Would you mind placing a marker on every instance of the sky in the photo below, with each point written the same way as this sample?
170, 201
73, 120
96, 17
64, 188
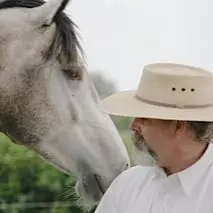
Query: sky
121, 36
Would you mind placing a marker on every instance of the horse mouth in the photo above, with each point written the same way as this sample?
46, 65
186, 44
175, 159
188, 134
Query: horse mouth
91, 188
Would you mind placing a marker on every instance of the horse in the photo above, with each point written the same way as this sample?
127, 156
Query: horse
48, 102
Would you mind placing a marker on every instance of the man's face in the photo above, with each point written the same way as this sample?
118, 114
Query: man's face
155, 137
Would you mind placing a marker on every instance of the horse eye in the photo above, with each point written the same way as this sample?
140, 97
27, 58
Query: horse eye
73, 75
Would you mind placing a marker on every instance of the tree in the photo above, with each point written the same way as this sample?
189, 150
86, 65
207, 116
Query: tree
103, 86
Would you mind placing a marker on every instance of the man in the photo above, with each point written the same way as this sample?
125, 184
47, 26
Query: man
173, 122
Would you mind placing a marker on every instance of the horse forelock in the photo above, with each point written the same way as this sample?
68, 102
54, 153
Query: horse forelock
65, 45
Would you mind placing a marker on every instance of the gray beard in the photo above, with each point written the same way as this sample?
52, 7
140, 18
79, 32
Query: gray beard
142, 154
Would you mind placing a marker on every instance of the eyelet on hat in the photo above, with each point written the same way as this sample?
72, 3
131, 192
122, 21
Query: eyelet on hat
183, 89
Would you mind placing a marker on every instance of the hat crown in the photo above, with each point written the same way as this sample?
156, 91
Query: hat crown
176, 85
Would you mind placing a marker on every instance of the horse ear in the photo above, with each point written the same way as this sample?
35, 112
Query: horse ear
44, 15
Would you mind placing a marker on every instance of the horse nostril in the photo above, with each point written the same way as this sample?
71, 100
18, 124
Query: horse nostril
98, 181
126, 166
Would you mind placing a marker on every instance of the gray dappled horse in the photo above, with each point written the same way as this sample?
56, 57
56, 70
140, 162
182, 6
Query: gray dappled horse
47, 100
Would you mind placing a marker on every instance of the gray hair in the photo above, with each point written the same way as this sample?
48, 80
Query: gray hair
203, 131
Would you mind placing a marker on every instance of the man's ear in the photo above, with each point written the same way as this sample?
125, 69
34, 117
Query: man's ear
180, 128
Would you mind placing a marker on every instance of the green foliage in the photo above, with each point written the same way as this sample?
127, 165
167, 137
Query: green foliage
103, 86
122, 123
26, 178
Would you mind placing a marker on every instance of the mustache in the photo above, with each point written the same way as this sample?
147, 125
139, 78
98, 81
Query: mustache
141, 144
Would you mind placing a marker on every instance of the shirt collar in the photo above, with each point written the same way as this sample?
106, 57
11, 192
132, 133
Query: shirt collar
190, 176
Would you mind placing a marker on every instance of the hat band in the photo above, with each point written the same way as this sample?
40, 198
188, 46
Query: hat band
174, 105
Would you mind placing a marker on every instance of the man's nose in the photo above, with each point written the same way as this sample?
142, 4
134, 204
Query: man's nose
135, 125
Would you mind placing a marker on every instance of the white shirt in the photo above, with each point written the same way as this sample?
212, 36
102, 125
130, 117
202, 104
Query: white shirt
148, 190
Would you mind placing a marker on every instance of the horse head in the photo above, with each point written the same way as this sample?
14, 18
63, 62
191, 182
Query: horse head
48, 102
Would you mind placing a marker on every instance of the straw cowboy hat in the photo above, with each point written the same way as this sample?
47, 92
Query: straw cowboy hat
166, 91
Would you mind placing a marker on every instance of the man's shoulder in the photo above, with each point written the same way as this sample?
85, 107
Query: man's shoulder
134, 173
127, 179
136, 170
114, 200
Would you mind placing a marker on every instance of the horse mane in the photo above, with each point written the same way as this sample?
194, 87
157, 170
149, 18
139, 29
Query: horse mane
66, 43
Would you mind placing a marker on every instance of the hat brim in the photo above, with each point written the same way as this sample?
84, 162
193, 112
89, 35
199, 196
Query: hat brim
126, 104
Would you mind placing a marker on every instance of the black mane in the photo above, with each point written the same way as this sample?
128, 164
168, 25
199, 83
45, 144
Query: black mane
65, 39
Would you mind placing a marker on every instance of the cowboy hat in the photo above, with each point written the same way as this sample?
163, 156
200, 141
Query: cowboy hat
166, 91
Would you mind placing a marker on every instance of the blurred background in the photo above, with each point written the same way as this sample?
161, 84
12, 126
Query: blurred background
119, 37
